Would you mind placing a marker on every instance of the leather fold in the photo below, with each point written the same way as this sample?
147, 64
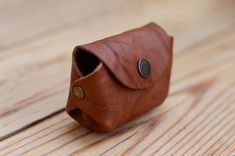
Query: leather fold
121, 53
106, 87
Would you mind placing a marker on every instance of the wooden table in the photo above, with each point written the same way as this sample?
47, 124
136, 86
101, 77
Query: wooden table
36, 41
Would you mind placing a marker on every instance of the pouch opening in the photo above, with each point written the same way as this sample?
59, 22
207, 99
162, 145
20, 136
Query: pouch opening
86, 62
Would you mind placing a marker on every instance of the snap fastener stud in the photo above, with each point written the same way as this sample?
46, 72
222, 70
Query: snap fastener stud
144, 68
79, 92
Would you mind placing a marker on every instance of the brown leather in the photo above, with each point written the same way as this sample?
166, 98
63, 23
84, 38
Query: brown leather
107, 72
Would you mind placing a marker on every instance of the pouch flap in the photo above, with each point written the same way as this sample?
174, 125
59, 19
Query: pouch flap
121, 53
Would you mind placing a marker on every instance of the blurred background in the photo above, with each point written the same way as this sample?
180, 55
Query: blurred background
37, 38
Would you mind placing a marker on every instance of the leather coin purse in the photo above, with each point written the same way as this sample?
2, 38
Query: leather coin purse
116, 79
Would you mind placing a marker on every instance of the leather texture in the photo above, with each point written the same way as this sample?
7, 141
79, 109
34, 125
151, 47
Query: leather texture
107, 72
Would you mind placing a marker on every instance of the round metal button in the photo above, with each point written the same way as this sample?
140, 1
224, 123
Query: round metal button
79, 92
144, 68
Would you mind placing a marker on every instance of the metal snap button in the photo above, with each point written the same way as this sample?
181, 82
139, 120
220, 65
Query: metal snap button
79, 92
144, 68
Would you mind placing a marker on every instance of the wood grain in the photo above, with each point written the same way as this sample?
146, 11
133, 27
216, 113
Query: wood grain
35, 55
197, 118
33, 52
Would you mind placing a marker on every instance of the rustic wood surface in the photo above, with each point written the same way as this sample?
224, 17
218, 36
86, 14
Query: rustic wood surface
36, 40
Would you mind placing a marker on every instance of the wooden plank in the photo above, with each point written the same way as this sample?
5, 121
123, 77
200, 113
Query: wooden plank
27, 22
35, 58
34, 19
197, 118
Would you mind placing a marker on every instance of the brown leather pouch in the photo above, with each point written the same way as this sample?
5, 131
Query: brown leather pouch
118, 78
